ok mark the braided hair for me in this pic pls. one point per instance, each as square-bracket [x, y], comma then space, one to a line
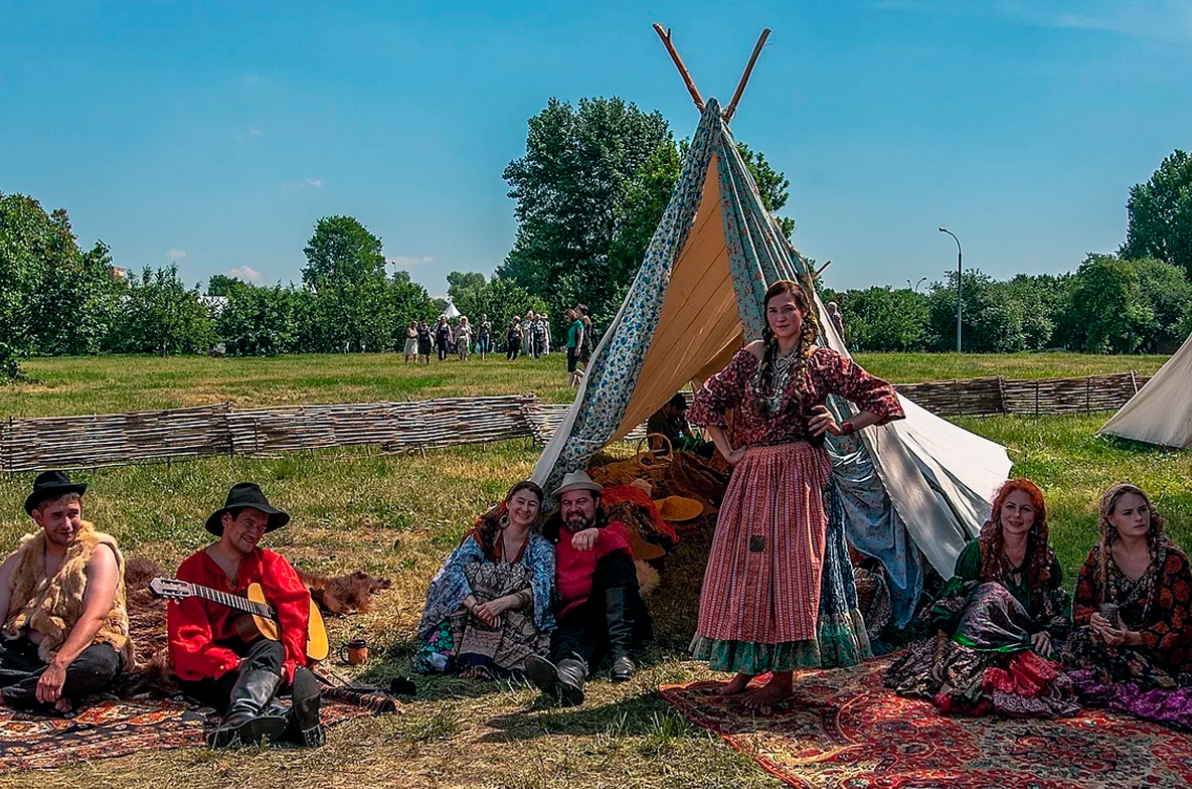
[1109, 532]
[807, 337]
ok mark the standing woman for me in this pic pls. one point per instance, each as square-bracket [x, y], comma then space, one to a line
[442, 337]
[411, 348]
[759, 609]
[424, 341]
[463, 338]
[513, 338]
[484, 336]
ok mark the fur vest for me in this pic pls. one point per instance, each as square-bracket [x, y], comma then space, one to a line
[53, 606]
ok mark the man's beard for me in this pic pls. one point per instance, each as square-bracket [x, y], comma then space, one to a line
[577, 522]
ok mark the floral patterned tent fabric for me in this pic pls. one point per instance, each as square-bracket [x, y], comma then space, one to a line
[895, 504]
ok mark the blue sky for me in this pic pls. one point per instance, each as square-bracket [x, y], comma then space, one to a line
[215, 134]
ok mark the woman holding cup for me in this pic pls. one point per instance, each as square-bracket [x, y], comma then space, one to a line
[1133, 611]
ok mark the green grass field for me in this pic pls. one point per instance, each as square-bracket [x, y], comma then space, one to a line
[399, 516]
[110, 384]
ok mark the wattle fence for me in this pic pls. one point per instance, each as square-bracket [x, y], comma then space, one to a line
[69, 442]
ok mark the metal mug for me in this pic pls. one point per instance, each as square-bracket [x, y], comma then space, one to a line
[1110, 612]
[356, 652]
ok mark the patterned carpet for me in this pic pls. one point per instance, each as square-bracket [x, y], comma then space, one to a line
[845, 731]
[113, 728]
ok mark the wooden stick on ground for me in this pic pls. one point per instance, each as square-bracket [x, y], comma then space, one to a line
[665, 35]
[757, 50]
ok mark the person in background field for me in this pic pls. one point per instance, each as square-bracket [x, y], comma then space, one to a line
[588, 347]
[484, 336]
[545, 333]
[411, 347]
[575, 339]
[214, 665]
[539, 335]
[488, 608]
[671, 421]
[513, 339]
[442, 337]
[763, 594]
[599, 609]
[424, 341]
[836, 318]
[62, 597]
[463, 338]
[1132, 647]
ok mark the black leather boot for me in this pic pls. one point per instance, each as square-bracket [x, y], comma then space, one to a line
[249, 716]
[618, 618]
[303, 726]
[563, 682]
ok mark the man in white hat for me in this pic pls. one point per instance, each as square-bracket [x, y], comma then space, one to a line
[598, 607]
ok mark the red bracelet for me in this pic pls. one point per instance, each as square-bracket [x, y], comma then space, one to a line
[846, 428]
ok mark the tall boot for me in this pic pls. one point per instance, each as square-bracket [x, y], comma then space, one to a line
[618, 619]
[249, 717]
[303, 726]
[563, 682]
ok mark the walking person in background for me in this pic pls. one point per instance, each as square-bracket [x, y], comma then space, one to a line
[463, 338]
[575, 341]
[411, 347]
[513, 338]
[442, 337]
[484, 336]
[587, 347]
[836, 318]
[424, 341]
[539, 335]
[545, 334]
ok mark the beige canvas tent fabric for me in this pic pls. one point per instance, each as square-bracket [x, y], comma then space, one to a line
[1161, 412]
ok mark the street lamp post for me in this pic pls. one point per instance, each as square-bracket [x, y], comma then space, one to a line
[915, 287]
[959, 258]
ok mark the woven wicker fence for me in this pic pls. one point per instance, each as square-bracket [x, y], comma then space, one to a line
[1037, 397]
[147, 436]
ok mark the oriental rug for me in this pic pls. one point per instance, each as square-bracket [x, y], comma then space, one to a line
[844, 730]
[115, 728]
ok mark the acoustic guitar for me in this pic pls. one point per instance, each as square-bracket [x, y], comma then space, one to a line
[260, 618]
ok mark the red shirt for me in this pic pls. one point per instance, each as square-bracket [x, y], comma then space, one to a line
[574, 569]
[198, 626]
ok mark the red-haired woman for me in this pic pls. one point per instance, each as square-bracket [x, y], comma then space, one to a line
[772, 554]
[1132, 649]
[997, 620]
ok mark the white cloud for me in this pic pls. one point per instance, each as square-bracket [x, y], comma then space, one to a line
[245, 273]
[254, 131]
[402, 260]
[175, 254]
[305, 183]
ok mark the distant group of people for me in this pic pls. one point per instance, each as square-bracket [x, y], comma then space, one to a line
[528, 337]
[444, 339]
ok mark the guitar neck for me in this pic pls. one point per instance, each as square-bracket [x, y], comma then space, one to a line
[236, 602]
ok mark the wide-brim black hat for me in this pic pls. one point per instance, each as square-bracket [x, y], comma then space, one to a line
[51, 485]
[247, 494]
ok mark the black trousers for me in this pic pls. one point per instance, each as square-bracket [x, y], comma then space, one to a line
[583, 632]
[216, 692]
[514, 349]
[96, 667]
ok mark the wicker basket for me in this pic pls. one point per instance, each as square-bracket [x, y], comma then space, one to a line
[650, 459]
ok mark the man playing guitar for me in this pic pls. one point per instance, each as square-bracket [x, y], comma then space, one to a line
[214, 664]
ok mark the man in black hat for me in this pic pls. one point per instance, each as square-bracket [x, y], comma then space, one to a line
[214, 665]
[62, 597]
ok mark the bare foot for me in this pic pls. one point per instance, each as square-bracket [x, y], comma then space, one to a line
[771, 693]
[63, 705]
[735, 686]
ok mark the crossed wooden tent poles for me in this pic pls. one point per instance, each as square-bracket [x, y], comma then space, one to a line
[665, 35]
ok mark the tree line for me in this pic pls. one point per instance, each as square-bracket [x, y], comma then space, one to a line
[589, 192]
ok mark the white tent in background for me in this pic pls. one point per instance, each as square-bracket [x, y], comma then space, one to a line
[451, 311]
[917, 485]
[1161, 411]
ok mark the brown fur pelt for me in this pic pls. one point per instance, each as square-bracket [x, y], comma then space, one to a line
[351, 593]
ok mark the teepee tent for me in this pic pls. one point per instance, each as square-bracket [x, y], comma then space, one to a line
[451, 311]
[915, 488]
[1161, 411]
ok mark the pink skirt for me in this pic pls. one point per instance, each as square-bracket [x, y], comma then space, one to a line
[762, 584]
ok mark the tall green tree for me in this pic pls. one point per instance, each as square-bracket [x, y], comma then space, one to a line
[342, 252]
[1160, 215]
[161, 315]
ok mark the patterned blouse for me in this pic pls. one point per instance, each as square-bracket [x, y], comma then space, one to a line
[828, 372]
[1048, 607]
[1158, 605]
